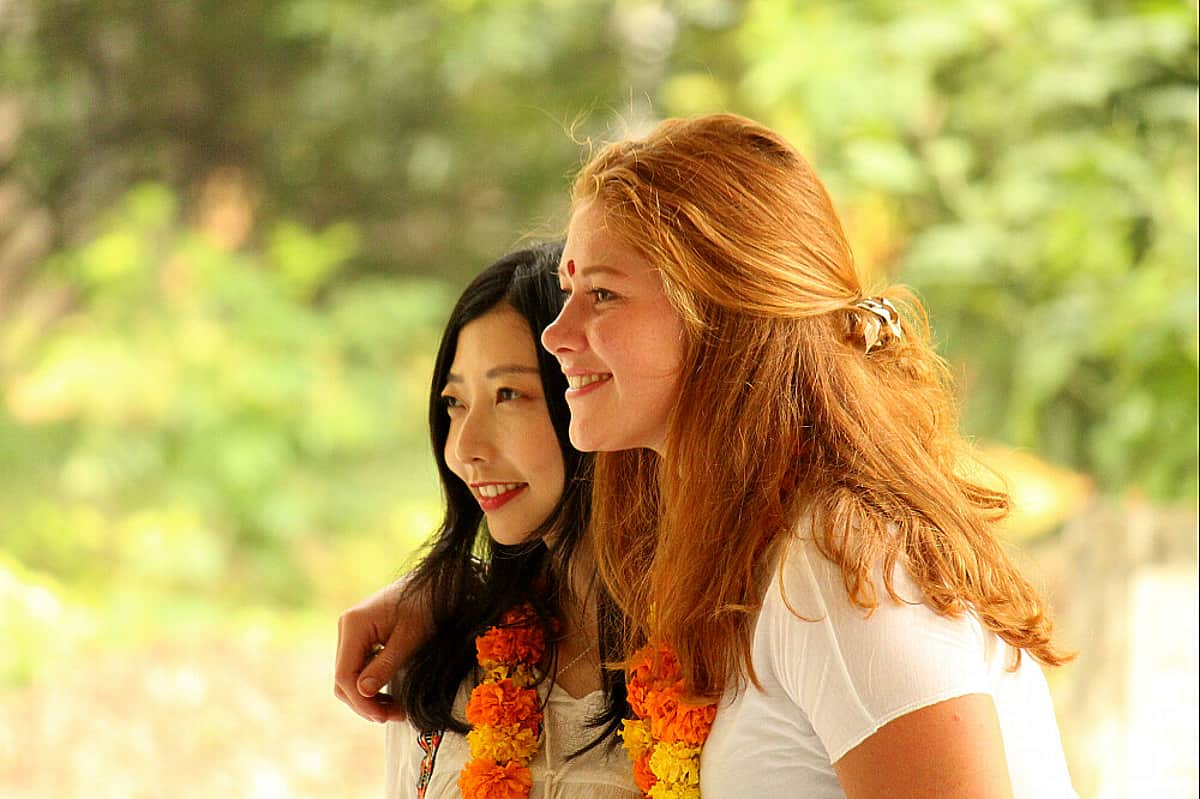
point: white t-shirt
(829, 684)
(599, 773)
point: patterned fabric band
(883, 315)
(429, 742)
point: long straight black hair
(469, 579)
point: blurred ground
(248, 716)
(248, 712)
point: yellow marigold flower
(504, 709)
(665, 790)
(636, 737)
(497, 672)
(665, 741)
(522, 675)
(676, 763)
(502, 743)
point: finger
(387, 708)
(349, 657)
(379, 708)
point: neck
(578, 605)
(578, 653)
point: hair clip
(882, 313)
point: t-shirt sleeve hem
(836, 754)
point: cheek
(616, 343)
(671, 344)
(543, 458)
(641, 347)
(550, 463)
(650, 354)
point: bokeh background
(230, 231)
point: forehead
(592, 241)
(499, 337)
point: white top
(828, 684)
(599, 773)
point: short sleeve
(849, 672)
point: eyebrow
(499, 371)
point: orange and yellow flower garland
(504, 711)
(665, 739)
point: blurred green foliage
(1030, 168)
(212, 421)
(229, 233)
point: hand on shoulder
(375, 637)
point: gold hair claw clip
(882, 313)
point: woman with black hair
(507, 698)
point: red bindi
(571, 268)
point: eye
(450, 402)
(602, 295)
(565, 292)
(507, 394)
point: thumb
(384, 664)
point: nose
(564, 334)
(471, 439)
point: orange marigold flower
(509, 646)
(518, 638)
(691, 724)
(643, 777)
(676, 721)
(483, 780)
(501, 704)
(654, 668)
(519, 615)
(654, 664)
(661, 708)
(504, 710)
(637, 693)
(664, 743)
(666, 664)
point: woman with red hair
(781, 501)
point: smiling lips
(578, 384)
(492, 496)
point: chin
(597, 436)
(583, 440)
(510, 540)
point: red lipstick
(500, 500)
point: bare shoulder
(951, 748)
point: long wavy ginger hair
(782, 412)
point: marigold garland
(665, 740)
(504, 711)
